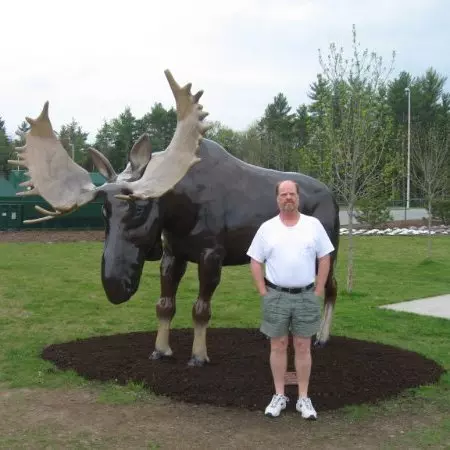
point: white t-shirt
(289, 252)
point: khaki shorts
(296, 313)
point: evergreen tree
(5, 148)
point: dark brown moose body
(211, 217)
(193, 202)
(221, 202)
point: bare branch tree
(356, 127)
(429, 156)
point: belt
(292, 290)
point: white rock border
(440, 230)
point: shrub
(440, 210)
(373, 212)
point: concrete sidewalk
(434, 306)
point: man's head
(288, 196)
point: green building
(14, 210)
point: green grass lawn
(52, 293)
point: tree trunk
(350, 249)
(429, 229)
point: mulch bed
(345, 372)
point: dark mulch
(346, 371)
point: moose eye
(139, 209)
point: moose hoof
(197, 362)
(157, 354)
(319, 344)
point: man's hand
(319, 291)
(322, 274)
(257, 270)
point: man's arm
(257, 270)
(322, 275)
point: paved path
(434, 306)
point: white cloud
(91, 59)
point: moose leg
(328, 307)
(209, 271)
(172, 270)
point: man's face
(287, 199)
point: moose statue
(193, 202)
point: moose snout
(121, 272)
(117, 290)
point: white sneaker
(305, 407)
(277, 404)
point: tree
(276, 130)
(395, 155)
(160, 124)
(5, 147)
(316, 156)
(429, 101)
(116, 137)
(429, 155)
(430, 107)
(125, 133)
(251, 145)
(300, 126)
(20, 133)
(74, 140)
(227, 138)
(104, 140)
(397, 100)
(355, 126)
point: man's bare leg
(278, 361)
(303, 364)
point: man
(288, 245)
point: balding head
(288, 197)
(289, 182)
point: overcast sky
(93, 58)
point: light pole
(408, 164)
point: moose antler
(66, 186)
(161, 174)
(53, 174)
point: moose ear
(103, 165)
(141, 153)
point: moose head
(131, 198)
